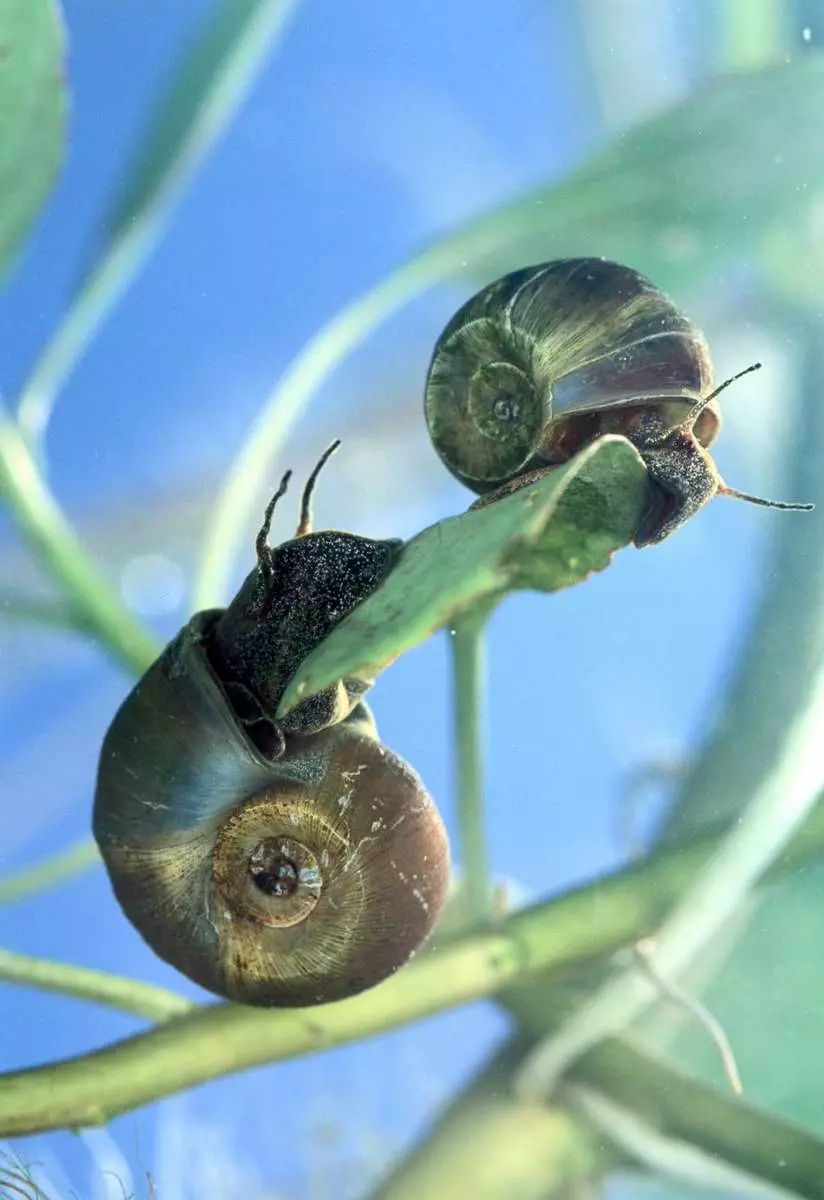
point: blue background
(373, 128)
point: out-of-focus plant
(587, 1082)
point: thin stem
(685, 1129)
(339, 337)
(778, 809)
(139, 232)
(157, 1004)
(644, 951)
(280, 412)
(49, 871)
(40, 610)
(219, 1039)
(42, 522)
(771, 684)
(468, 691)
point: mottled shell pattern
(524, 372)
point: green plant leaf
(192, 113)
(546, 537)
(32, 112)
(741, 154)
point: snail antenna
(723, 490)
(697, 409)
(262, 548)
(305, 525)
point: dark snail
(290, 600)
(546, 359)
(274, 863)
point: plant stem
(49, 871)
(468, 690)
(750, 33)
(157, 1004)
(772, 683)
(777, 811)
(40, 610)
(692, 1131)
(682, 1126)
(136, 236)
(537, 1148)
(51, 536)
(219, 1039)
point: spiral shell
(545, 359)
(287, 882)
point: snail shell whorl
(291, 882)
(547, 342)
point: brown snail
(546, 359)
(274, 863)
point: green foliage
(201, 99)
(204, 93)
(726, 185)
(730, 185)
(546, 536)
(32, 113)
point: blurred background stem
(772, 684)
(468, 691)
(211, 83)
(750, 32)
(61, 553)
(50, 871)
(100, 987)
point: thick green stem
(157, 1004)
(217, 1040)
(537, 1148)
(468, 701)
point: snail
(288, 603)
(548, 358)
(273, 862)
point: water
(369, 132)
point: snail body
(543, 361)
(274, 863)
(291, 599)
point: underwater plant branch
(234, 507)
(777, 811)
(55, 543)
(50, 871)
(40, 610)
(529, 1150)
(688, 1130)
(220, 1039)
(130, 995)
(467, 644)
(772, 682)
(644, 950)
(611, 193)
(620, 1104)
(248, 39)
(751, 33)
